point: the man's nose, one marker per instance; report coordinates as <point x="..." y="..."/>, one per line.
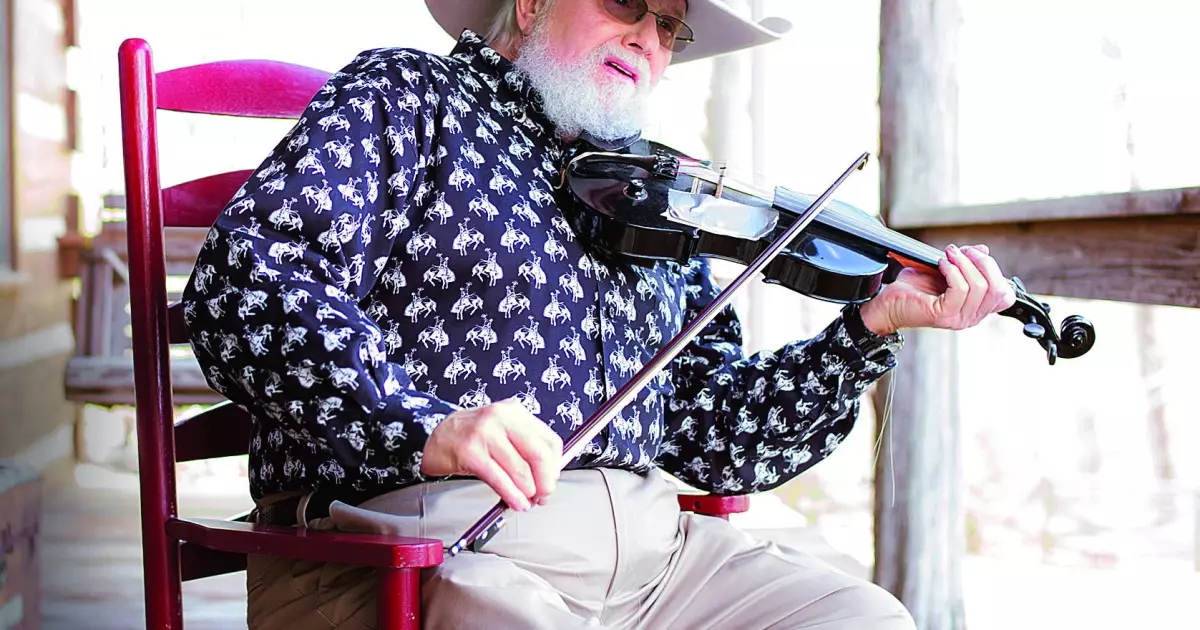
<point x="643" y="36"/>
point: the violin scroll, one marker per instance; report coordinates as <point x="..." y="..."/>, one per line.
<point x="1076" y="334"/>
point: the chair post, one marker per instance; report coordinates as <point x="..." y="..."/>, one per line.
<point x="398" y="598"/>
<point x="148" y="310"/>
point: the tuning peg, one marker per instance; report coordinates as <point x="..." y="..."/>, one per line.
<point x="1017" y="283"/>
<point x="1046" y="307"/>
<point x="1034" y="331"/>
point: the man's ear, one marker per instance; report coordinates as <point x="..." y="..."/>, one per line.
<point x="527" y="14"/>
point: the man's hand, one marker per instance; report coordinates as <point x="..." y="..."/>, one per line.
<point x="969" y="288"/>
<point x="503" y="445"/>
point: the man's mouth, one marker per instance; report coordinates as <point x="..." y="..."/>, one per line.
<point x="622" y="68"/>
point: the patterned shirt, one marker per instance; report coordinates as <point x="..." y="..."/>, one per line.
<point x="401" y="255"/>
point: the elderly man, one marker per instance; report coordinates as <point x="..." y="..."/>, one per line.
<point x="398" y="298"/>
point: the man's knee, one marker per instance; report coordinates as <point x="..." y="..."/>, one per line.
<point x="869" y="606"/>
<point x="489" y="592"/>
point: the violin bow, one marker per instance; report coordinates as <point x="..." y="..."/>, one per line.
<point x="486" y="527"/>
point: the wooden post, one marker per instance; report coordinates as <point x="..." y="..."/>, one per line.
<point x="919" y="517"/>
<point x="1196" y="526"/>
<point x="8" y="85"/>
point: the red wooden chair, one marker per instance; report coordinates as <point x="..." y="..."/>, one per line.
<point x="178" y="549"/>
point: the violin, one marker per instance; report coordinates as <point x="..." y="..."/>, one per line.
<point x="652" y="203"/>
<point x="661" y="205"/>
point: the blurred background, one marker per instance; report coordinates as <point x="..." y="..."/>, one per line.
<point x="1069" y="131"/>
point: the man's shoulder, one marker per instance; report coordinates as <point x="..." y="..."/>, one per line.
<point x="401" y="67"/>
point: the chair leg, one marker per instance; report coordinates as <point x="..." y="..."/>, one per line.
<point x="163" y="587"/>
<point x="399" y="599"/>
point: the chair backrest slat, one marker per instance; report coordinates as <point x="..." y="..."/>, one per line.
<point x="176" y="326"/>
<point x="222" y="430"/>
<point x="251" y="88"/>
<point x="198" y="202"/>
<point x="197" y="563"/>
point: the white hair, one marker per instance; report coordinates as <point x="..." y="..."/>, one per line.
<point x="505" y="32"/>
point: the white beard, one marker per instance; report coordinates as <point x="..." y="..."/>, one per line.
<point x="576" y="97"/>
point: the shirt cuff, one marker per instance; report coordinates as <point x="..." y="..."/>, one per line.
<point x="873" y="346"/>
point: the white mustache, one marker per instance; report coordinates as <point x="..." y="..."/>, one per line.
<point x="638" y="63"/>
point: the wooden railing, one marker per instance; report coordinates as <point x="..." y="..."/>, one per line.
<point x="101" y="370"/>
<point x="1141" y="246"/>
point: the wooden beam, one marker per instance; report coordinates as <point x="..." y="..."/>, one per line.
<point x="109" y="381"/>
<point x="920" y="535"/>
<point x="1148" y="260"/>
<point x="1136" y="204"/>
<point x="180" y="245"/>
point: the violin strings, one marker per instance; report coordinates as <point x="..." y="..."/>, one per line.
<point x="709" y="171"/>
<point x="879" y="231"/>
<point x="714" y="172"/>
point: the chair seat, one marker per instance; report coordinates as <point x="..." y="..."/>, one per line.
<point x="370" y="550"/>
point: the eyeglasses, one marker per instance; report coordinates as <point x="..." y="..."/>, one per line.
<point x="673" y="34"/>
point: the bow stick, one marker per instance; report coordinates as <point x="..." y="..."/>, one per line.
<point x="486" y="527"/>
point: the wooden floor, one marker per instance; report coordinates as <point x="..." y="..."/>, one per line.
<point x="91" y="555"/>
<point x="92" y="571"/>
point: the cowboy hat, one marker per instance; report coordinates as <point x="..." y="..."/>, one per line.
<point x="718" y="28"/>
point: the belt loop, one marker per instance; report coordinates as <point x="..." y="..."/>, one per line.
<point x="302" y="510"/>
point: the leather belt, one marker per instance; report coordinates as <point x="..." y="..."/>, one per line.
<point x="283" y="512"/>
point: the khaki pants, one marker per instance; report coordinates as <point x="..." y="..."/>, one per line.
<point x="610" y="549"/>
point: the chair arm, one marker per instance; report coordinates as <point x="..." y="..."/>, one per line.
<point x="369" y="550"/>
<point x="720" y="506"/>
